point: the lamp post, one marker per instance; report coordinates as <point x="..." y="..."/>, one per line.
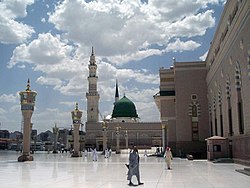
<point x="104" y="138"/>
<point x="164" y="129"/>
<point x="18" y="140"/>
<point x="117" y="132"/>
<point x="163" y="132"/>
<point x="55" y="133"/>
<point x="27" y="108"/>
<point x="126" y="138"/>
<point x="76" y="117"/>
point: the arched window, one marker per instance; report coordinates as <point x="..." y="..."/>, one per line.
<point x="194" y="111"/>
<point x="229" y="107"/>
<point x="215" y="117"/>
<point x="210" y="119"/>
<point x="239" y="98"/>
<point x="220" y="112"/>
<point x="237" y="76"/>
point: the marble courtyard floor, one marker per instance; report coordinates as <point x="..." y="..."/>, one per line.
<point x="62" y="171"/>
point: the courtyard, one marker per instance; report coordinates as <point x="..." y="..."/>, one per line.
<point x="60" y="170"/>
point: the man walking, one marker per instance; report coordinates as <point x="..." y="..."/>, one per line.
<point x="134" y="167"/>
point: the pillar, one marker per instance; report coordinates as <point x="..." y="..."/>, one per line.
<point x="27" y="98"/>
<point x="118" y="140"/>
<point x="104" y="129"/>
<point x="76" y="117"/>
<point x="126" y="138"/>
<point x="55" y="133"/>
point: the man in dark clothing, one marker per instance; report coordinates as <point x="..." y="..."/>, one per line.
<point x="134" y="167"/>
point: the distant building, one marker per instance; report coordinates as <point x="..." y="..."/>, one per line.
<point x="62" y="136"/>
<point x="4" y="134"/>
<point x="45" y="136"/>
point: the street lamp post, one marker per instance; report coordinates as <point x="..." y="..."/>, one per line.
<point x="163" y="132"/>
<point x="104" y="128"/>
<point x="126" y="138"/>
<point x="18" y="140"/>
<point x="117" y="132"/>
<point x="76" y="117"/>
<point x="55" y="133"/>
<point x="164" y="129"/>
<point x="27" y="108"/>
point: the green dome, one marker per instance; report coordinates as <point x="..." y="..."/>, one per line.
<point x="124" y="108"/>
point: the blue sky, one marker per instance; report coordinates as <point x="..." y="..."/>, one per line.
<point x="50" y="43"/>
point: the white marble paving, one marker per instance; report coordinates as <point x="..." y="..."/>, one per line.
<point x="60" y="170"/>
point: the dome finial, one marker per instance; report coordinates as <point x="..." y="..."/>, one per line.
<point x="116" y="92"/>
<point x="28" y="85"/>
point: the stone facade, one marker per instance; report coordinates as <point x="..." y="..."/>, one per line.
<point x="222" y="90"/>
<point x="182" y="102"/>
<point x="228" y="79"/>
<point x="143" y="135"/>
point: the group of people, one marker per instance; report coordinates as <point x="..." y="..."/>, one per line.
<point x="133" y="166"/>
<point x="107" y="153"/>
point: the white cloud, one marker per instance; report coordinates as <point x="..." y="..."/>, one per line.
<point x="194" y="25"/>
<point x="49" y="81"/>
<point x="126" y="30"/>
<point x="179" y="45"/>
<point x="204" y="56"/>
<point x="2" y="111"/>
<point x="43" y="20"/>
<point x="12" y="31"/>
<point x="66" y="68"/>
<point x="46" y="119"/>
<point x="15" y="108"/>
<point x="45" y="50"/>
<point x="68" y="104"/>
<point x="11" y="98"/>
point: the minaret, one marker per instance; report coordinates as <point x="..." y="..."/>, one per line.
<point x="92" y="95"/>
<point x="116" y="92"/>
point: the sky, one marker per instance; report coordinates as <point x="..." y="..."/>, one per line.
<point x="50" y="43"/>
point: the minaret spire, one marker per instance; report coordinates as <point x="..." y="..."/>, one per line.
<point x="92" y="51"/>
<point x="28" y="85"/>
<point x="116" y="92"/>
<point x="92" y="57"/>
<point x="76" y="106"/>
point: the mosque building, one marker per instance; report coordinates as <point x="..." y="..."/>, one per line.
<point x="122" y="128"/>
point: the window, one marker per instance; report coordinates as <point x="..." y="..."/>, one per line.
<point x="217" y="148"/>
<point x="194" y="111"/>
<point x="194" y="97"/>
<point x="229" y="107"/>
<point x="239" y="98"/>
<point x="195" y="131"/>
